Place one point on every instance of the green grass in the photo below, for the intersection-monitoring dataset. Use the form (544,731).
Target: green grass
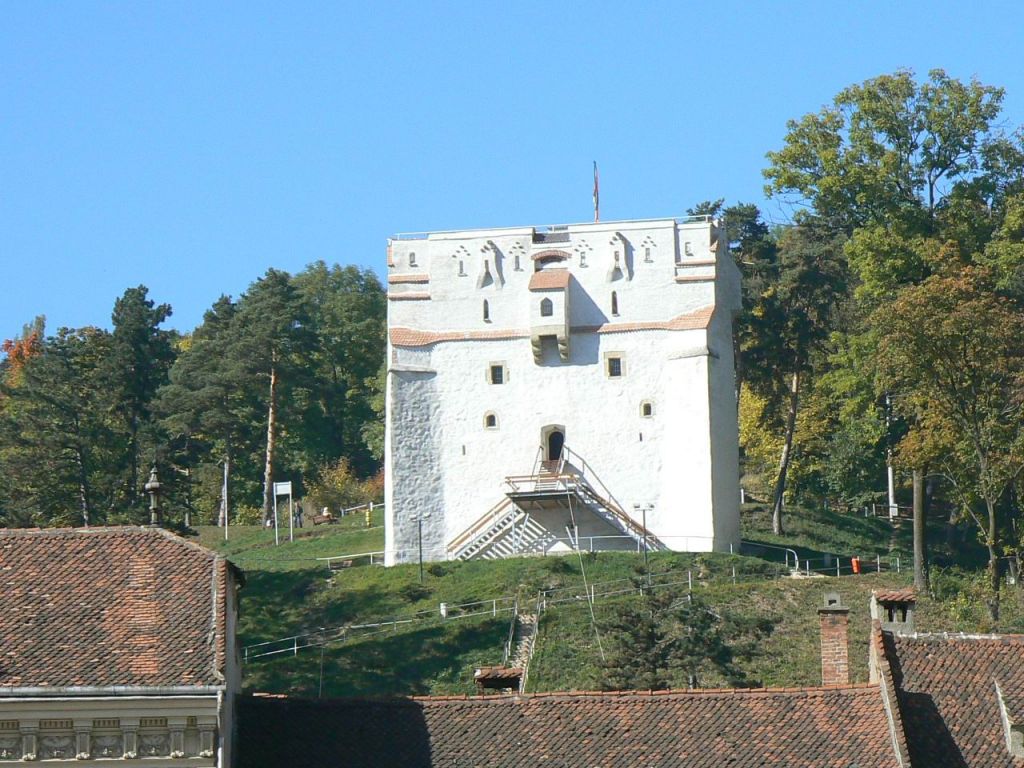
(288,591)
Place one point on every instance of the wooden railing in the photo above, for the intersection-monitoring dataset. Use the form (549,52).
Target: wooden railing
(488,519)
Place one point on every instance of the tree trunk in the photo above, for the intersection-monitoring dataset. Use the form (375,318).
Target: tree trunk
(225,504)
(268,468)
(920,533)
(133,459)
(993,563)
(83,486)
(787,452)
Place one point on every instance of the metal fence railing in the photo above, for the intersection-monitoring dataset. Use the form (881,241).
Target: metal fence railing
(322,636)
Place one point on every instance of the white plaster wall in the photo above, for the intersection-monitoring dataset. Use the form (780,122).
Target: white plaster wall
(439,456)
(456,303)
(413,480)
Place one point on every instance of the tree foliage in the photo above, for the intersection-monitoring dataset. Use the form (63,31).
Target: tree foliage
(81,412)
(663,640)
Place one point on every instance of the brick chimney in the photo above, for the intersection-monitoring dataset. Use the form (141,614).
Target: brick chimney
(835,655)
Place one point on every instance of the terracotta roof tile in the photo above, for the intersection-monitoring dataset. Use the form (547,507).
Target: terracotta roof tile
(409,278)
(705,729)
(686,322)
(110,606)
(408,297)
(895,595)
(946,687)
(549,279)
(410,337)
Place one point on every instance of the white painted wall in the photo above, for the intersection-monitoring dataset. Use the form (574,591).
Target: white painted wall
(441,459)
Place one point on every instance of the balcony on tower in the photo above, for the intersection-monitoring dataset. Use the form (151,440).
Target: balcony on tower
(549,305)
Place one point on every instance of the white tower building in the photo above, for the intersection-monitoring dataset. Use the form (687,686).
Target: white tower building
(561,387)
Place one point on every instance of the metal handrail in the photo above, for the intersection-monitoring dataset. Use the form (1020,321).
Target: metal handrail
(607,498)
(511,632)
(481,524)
(550,227)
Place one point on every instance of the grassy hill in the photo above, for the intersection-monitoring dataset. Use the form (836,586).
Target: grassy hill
(289,591)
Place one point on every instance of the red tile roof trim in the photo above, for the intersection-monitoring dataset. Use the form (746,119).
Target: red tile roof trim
(887,685)
(895,595)
(550,279)
(409,337)
(690,321)
(694,278)
(408,297)
(411,278)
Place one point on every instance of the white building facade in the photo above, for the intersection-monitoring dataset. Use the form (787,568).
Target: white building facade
(558,388)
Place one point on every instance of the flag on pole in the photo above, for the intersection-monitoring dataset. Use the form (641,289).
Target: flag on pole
(597,195)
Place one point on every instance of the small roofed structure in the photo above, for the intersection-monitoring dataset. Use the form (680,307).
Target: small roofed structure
(498,678)
(894,608)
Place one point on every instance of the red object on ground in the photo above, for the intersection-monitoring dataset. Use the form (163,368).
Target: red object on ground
(855,562)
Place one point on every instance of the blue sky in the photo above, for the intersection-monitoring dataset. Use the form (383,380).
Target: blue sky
(189,146)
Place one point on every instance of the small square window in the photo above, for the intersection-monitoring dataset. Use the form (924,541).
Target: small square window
(496,373)
(614,367)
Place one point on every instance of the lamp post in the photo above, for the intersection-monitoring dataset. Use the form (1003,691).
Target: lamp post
(418,519)
(642,509)
(153,489)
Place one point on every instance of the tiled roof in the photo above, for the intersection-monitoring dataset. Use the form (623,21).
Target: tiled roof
(946,688)
(408,278)
(408,297)
(686,322)
(110,606)
(549,279)
(410,337)
(895,595)
(698,729)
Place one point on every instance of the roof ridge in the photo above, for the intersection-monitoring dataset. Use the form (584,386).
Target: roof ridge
(636,694)
(96,530)
(946,636)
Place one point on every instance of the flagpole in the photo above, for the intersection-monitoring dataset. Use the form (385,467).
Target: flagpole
(597,196)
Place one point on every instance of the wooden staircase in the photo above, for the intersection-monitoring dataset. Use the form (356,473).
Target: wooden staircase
(569,482)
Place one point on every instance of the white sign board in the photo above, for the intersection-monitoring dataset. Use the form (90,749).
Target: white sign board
(283,489)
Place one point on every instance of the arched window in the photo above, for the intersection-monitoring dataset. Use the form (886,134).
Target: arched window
(547,308)
(412,259)
(487,312)
(647,409)
(490,420)
(615,303)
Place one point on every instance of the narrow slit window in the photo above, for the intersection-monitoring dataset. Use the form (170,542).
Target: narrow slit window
(490,421)
(547,308)
(615,304)
(412,259)
(487,312)
(647,256)
(647,409)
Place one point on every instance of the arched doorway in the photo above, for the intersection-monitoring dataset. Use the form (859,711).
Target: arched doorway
(555,442)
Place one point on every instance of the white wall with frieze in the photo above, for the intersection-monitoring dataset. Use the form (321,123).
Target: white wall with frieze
(87,730)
